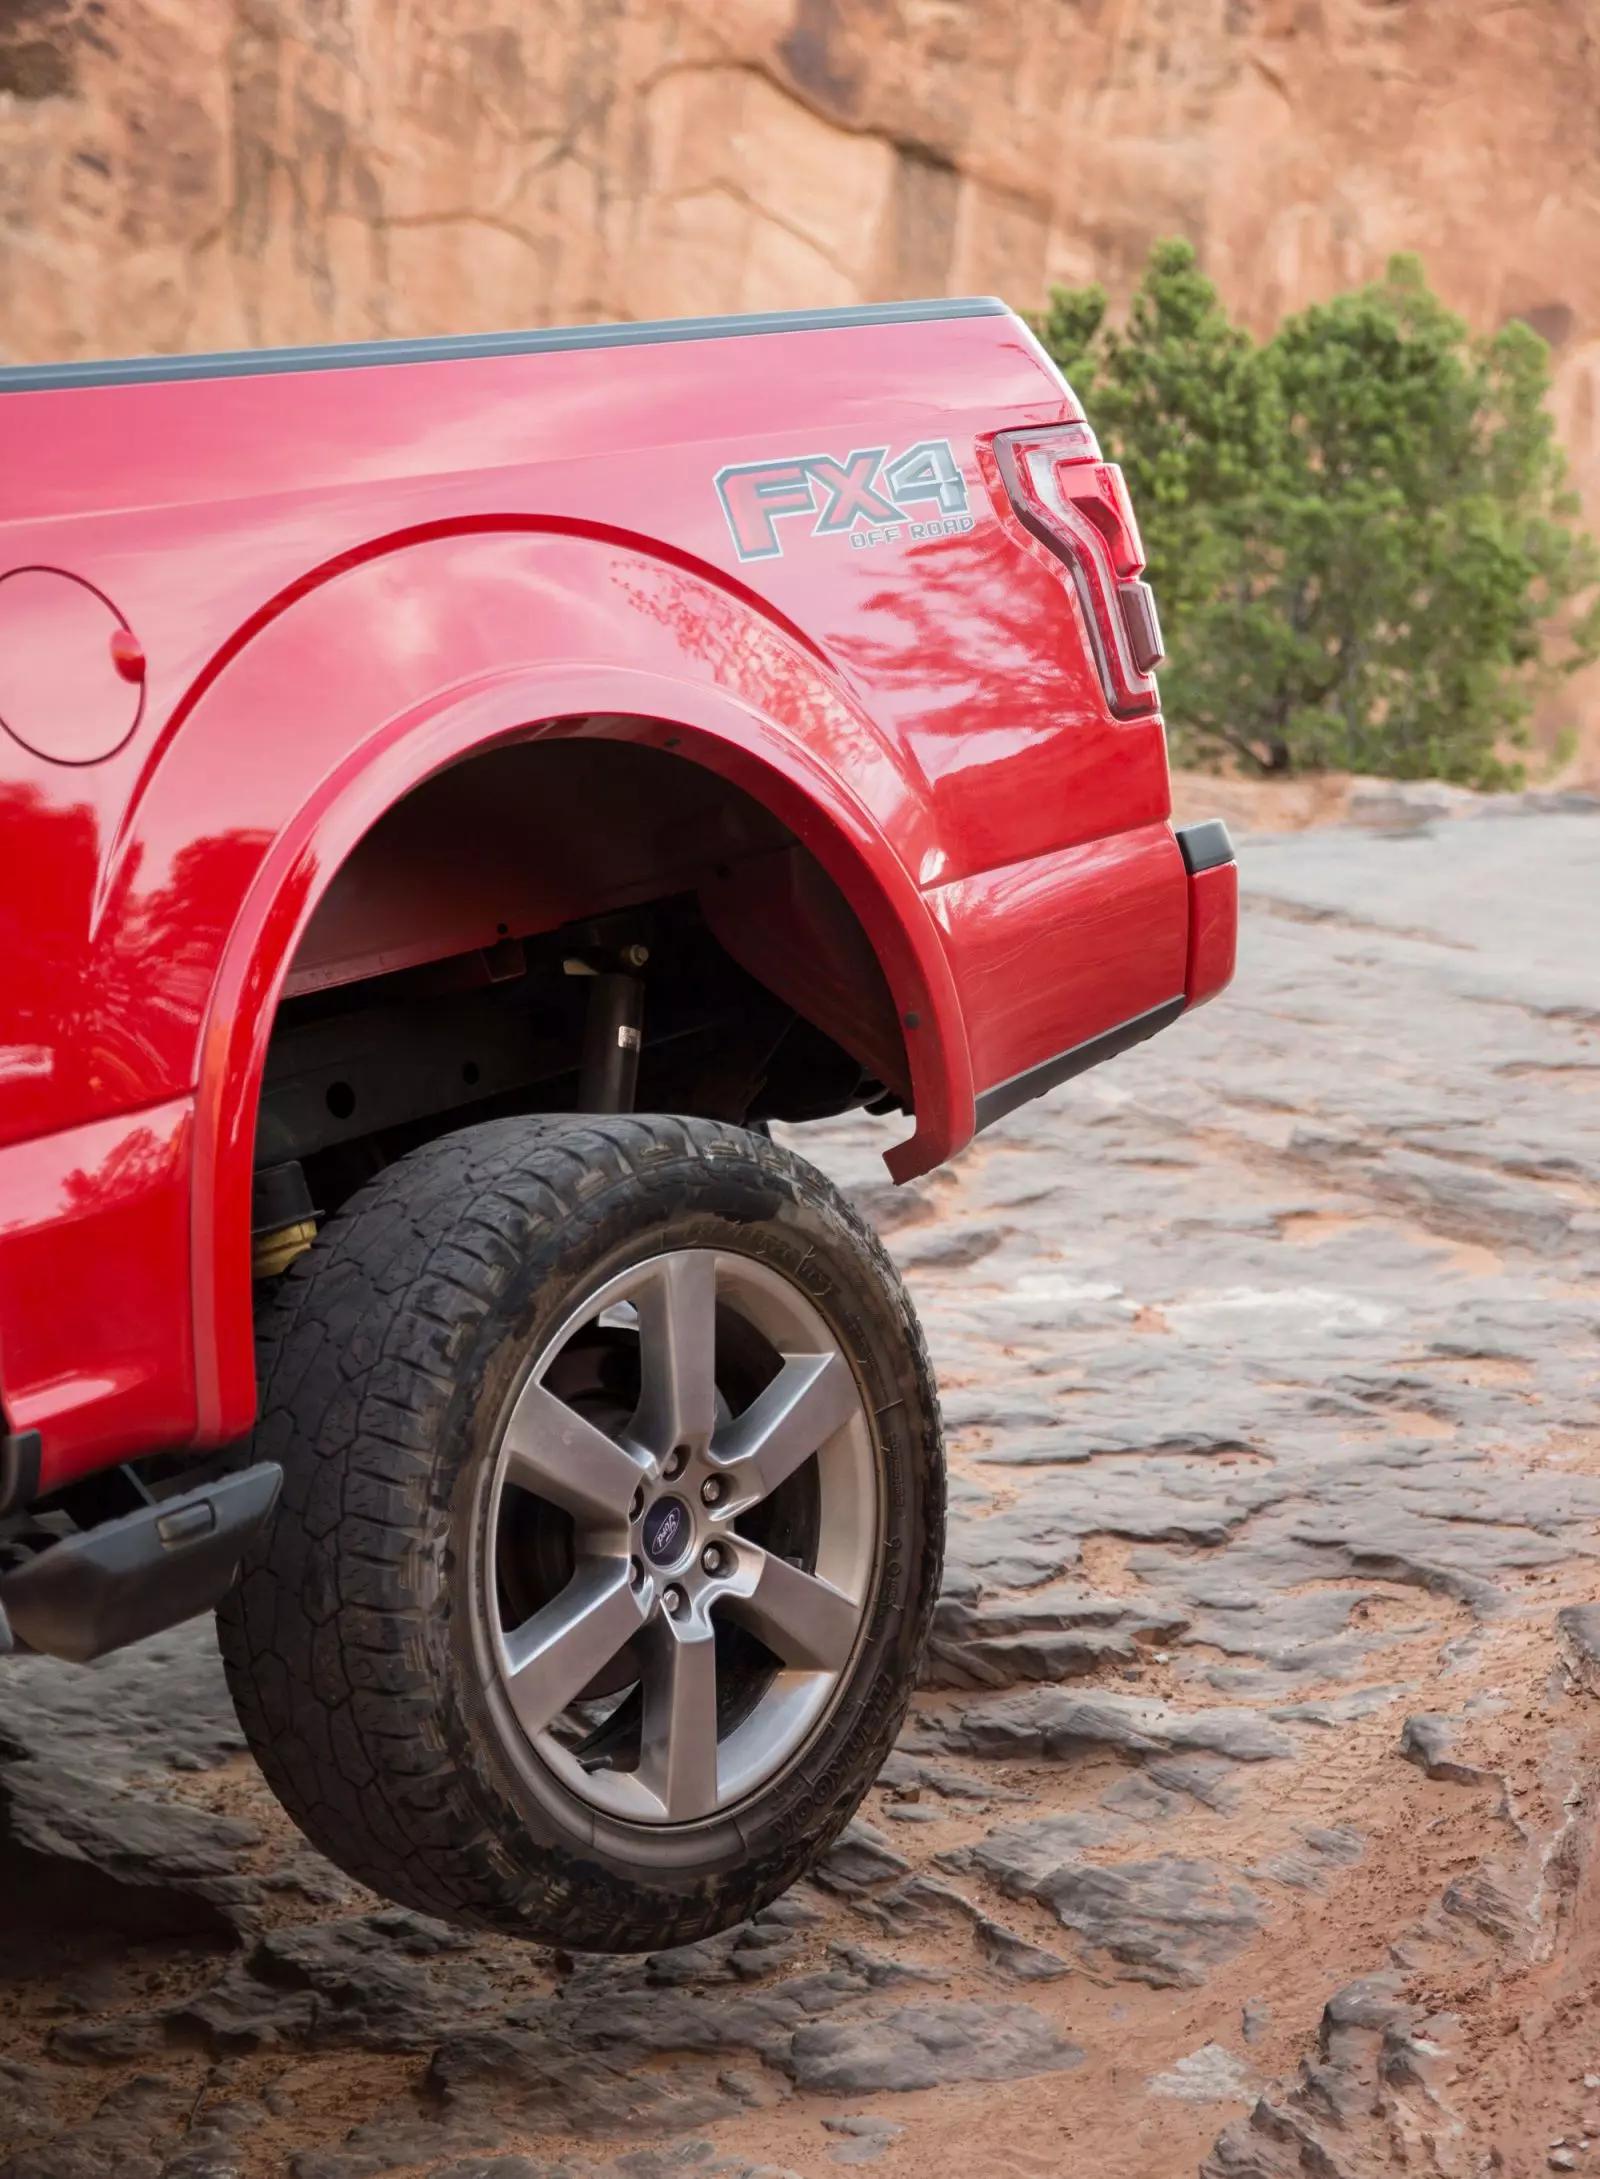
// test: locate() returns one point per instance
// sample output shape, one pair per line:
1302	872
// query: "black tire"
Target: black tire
385	1357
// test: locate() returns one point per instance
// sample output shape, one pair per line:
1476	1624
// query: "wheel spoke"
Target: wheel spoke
677	1312
678	1740
693	1456
812	1396
553	1452
803	1620
554	1655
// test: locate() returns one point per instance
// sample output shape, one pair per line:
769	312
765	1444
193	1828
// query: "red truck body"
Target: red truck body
249	605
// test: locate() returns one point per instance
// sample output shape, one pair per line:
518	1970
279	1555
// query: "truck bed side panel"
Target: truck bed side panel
308	553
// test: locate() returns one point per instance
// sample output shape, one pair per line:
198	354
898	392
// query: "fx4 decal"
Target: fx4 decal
865	497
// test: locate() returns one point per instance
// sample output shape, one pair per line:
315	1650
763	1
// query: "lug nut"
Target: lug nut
675	1462
713	1558
635	1573
711	1490
637	1507
672	1601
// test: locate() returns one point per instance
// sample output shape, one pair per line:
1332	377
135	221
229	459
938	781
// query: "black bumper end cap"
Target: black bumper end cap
1205	846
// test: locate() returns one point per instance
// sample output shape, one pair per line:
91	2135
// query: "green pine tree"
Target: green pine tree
1359	530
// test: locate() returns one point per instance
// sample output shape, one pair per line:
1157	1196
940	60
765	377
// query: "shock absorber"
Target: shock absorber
613	1031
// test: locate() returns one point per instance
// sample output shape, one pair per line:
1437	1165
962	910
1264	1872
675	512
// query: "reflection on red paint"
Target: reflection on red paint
93	1249
1067	946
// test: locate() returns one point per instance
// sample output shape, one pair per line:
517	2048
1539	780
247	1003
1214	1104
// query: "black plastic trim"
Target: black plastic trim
1005	1097
1206	846
108	1586
474	347
21	1455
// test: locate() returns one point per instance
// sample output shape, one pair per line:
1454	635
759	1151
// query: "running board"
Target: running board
108	1586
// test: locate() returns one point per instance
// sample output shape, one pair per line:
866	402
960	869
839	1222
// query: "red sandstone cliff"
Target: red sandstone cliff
210	173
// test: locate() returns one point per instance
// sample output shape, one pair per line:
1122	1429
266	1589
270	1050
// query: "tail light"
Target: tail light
1078	506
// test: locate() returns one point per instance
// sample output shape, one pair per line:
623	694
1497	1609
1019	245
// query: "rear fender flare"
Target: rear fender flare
707	725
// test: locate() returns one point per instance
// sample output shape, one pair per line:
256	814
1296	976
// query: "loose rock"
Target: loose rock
1427	1740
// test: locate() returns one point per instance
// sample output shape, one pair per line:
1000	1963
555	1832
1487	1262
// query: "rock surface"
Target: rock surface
1273	1394
78	1841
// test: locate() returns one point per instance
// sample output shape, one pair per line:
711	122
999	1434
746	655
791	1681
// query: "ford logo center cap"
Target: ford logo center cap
666	1531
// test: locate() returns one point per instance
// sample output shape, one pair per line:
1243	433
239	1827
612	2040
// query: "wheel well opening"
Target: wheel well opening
456	966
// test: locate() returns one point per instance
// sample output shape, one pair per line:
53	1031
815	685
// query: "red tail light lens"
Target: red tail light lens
1078	506
1098	490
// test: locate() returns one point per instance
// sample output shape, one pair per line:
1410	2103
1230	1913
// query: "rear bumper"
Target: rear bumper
1213	873
994	1104
1211	876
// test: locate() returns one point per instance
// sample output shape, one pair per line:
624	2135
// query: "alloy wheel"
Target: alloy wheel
684	1503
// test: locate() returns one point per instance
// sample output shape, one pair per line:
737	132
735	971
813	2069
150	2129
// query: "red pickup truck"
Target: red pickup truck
454	795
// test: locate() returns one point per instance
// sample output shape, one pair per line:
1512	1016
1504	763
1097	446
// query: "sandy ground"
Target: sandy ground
1271	1356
